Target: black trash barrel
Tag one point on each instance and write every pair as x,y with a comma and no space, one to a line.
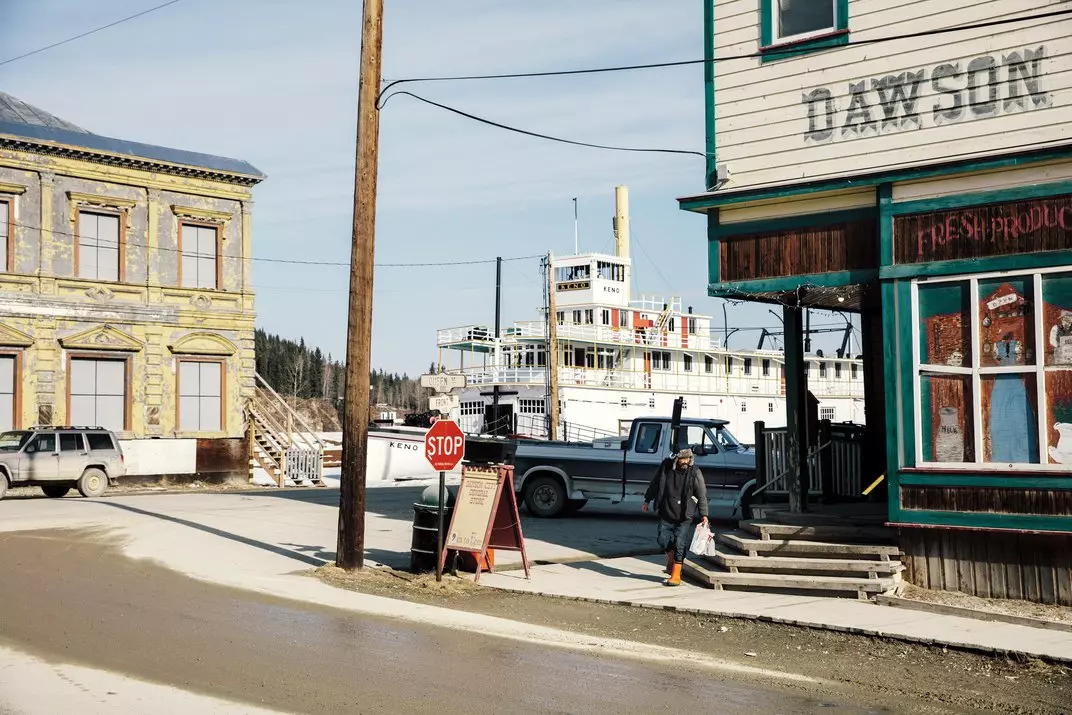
422,554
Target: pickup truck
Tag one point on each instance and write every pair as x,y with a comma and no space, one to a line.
555,478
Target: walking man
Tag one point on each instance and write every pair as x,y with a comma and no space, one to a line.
679,494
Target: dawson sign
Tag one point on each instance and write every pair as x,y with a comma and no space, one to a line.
982,231
986,86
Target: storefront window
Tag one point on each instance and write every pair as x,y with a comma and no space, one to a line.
983,394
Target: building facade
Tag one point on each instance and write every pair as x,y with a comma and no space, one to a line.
913,161
125,294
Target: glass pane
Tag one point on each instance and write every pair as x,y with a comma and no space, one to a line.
206,242
211,379
206,272
111,377
7,412
7,375
87,261
87,227
210,414
110,413
189,379
70,442
189,414
1057,318
1059,415
45,443
1010,419
4,218
189,271
108,230
945,324
83,377
797,17
83,410
108,264
1006,325
946,412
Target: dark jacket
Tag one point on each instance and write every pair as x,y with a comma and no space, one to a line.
678,495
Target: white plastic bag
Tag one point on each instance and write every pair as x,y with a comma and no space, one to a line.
703,541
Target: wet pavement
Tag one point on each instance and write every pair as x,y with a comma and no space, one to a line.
68,597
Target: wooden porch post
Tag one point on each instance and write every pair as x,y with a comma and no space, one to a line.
874,462
796,398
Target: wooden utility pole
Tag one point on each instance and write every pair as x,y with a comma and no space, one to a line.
351,543
552,352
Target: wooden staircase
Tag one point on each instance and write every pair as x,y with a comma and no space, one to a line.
803,552
280,442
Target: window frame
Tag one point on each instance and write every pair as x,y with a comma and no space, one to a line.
976,372
746,366
773,48
709,364
183,223
9,264
764,366
16,397
121,272
686,362
222,363
128,393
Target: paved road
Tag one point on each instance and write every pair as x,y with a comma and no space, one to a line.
69,598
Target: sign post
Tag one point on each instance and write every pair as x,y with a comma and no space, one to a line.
444,447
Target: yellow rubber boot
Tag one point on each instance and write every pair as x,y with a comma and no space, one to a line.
675,576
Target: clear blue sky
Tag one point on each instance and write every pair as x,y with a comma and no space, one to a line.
274,82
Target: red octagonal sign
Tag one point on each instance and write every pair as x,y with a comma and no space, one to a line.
444,445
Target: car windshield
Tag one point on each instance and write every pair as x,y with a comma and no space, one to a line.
13,441
726,441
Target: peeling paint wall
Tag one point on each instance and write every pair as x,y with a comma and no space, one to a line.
48,313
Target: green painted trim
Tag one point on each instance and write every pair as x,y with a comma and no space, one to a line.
797,49
772,53
709,92
1005,480
713,200
1025,261
906,381
998,196
839,279
1031,522
714,249
771,225
885,225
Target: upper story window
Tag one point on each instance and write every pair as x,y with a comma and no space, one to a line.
623,319
97,250
576,317
7,249
561,317
822,369
766,367
837,370
604,316
708,364
589,317
748,366
200,257
688,363
572,273
807,25
611,271
855,371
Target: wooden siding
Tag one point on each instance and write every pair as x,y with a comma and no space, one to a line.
1033,567
1042,502
806,205
799,118
983,181
1009,228
824,249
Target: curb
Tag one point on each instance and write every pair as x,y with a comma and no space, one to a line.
870,632
944,610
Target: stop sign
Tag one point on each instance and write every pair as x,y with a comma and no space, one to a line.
444,445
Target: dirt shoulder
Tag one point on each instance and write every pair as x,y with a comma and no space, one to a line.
1025,609
939,679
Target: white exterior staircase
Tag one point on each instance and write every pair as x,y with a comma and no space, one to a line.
280,441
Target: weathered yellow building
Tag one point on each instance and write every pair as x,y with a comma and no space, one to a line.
125,294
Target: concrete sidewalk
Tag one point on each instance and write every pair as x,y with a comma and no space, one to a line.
638,582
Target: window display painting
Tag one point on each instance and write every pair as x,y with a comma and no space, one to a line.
948,434
1059,416
1057,318
945,325
1010,422
1006,325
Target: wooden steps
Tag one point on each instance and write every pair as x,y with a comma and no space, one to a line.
819,532
836,554
863,587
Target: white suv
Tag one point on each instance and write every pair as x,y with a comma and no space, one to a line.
58,458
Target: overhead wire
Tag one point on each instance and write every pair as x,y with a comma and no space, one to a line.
765,53
87,33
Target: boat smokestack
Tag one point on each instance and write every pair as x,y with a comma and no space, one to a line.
621,221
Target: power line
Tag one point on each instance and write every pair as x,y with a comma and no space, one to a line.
548,137
88,33
289,261
767,53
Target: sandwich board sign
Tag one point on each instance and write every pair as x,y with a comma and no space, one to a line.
485,515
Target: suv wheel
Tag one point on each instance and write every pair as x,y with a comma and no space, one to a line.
3,485
92,483
55,491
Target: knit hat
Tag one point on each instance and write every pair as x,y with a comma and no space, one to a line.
684,454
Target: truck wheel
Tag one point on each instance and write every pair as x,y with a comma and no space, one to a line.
746,506
3,485
56,491
92,483
545,497
575,505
